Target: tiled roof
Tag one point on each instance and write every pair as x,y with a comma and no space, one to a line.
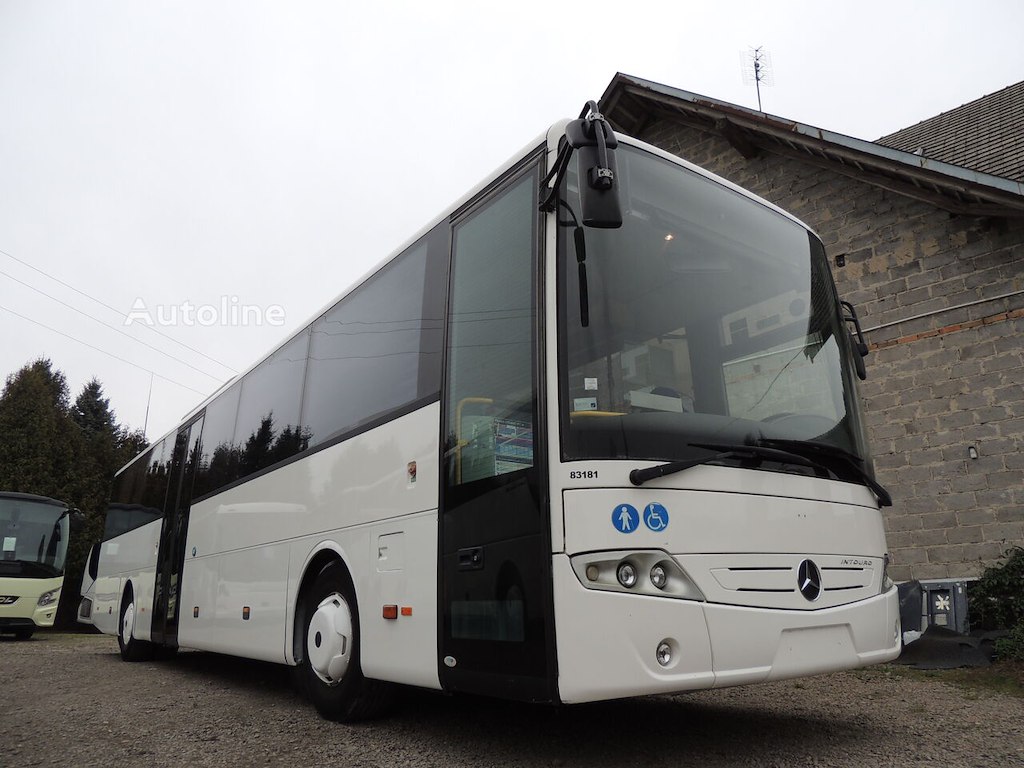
985,135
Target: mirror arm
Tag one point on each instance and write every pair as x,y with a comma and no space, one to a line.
549,194
861,346
602,176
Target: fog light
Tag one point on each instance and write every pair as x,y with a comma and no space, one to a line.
664,654
592,572
659,576
626,574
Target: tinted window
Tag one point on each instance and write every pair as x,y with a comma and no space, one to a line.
128,485
220,462
154,492
140,491
379,348
267,429
122,518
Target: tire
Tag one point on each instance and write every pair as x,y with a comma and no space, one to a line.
132,649
330,669
23,634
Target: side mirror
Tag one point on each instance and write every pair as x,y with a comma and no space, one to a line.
93,564
76,518
595,144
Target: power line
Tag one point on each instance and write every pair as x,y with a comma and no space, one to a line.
118,312
108,325
103,351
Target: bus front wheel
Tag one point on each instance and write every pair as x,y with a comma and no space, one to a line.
330,667
132,649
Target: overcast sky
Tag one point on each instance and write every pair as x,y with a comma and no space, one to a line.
267,154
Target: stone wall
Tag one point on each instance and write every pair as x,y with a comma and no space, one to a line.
942,300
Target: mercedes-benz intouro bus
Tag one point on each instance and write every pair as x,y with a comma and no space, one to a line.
592,433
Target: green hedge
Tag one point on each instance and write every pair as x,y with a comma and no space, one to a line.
997,602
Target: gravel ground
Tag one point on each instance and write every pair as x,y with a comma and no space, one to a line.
70,700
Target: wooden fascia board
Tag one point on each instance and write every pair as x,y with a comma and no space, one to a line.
923,194
875,171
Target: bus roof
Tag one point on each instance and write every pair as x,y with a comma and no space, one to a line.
17,496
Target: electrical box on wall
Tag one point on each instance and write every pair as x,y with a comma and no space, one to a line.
944,604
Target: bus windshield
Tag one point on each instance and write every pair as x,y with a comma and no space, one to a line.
33,537
708,318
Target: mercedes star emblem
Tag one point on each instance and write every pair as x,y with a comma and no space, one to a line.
808,580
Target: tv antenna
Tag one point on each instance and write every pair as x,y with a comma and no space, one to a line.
757,70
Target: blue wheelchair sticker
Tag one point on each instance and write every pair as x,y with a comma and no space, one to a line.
656,517
625,518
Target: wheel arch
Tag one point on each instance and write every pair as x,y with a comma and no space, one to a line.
133,648
325,554
127,587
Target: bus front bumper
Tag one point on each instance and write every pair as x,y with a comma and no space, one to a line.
608,641
22,610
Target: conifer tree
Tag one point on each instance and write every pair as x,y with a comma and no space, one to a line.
38,439
68,452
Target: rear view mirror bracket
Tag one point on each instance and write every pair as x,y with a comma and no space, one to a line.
860,346
594,142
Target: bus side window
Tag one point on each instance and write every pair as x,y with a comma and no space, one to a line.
379,348
267,427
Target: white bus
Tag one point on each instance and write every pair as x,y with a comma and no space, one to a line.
34,533
592,434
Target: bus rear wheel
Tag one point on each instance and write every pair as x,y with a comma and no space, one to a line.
330,668
132,649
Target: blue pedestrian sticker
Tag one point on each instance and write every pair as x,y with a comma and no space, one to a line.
625,518
656,517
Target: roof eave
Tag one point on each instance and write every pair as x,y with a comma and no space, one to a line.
958,189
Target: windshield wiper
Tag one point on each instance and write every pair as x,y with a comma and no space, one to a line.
829,451
641,476
755,452
783,451
580,242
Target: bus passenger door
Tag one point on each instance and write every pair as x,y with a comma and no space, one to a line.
497,631
171,556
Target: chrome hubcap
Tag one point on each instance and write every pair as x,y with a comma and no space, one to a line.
329,639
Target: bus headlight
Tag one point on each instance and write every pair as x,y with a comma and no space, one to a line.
626,574
659,576
49,598
649,572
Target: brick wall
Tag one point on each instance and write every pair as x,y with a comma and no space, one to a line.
947,368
